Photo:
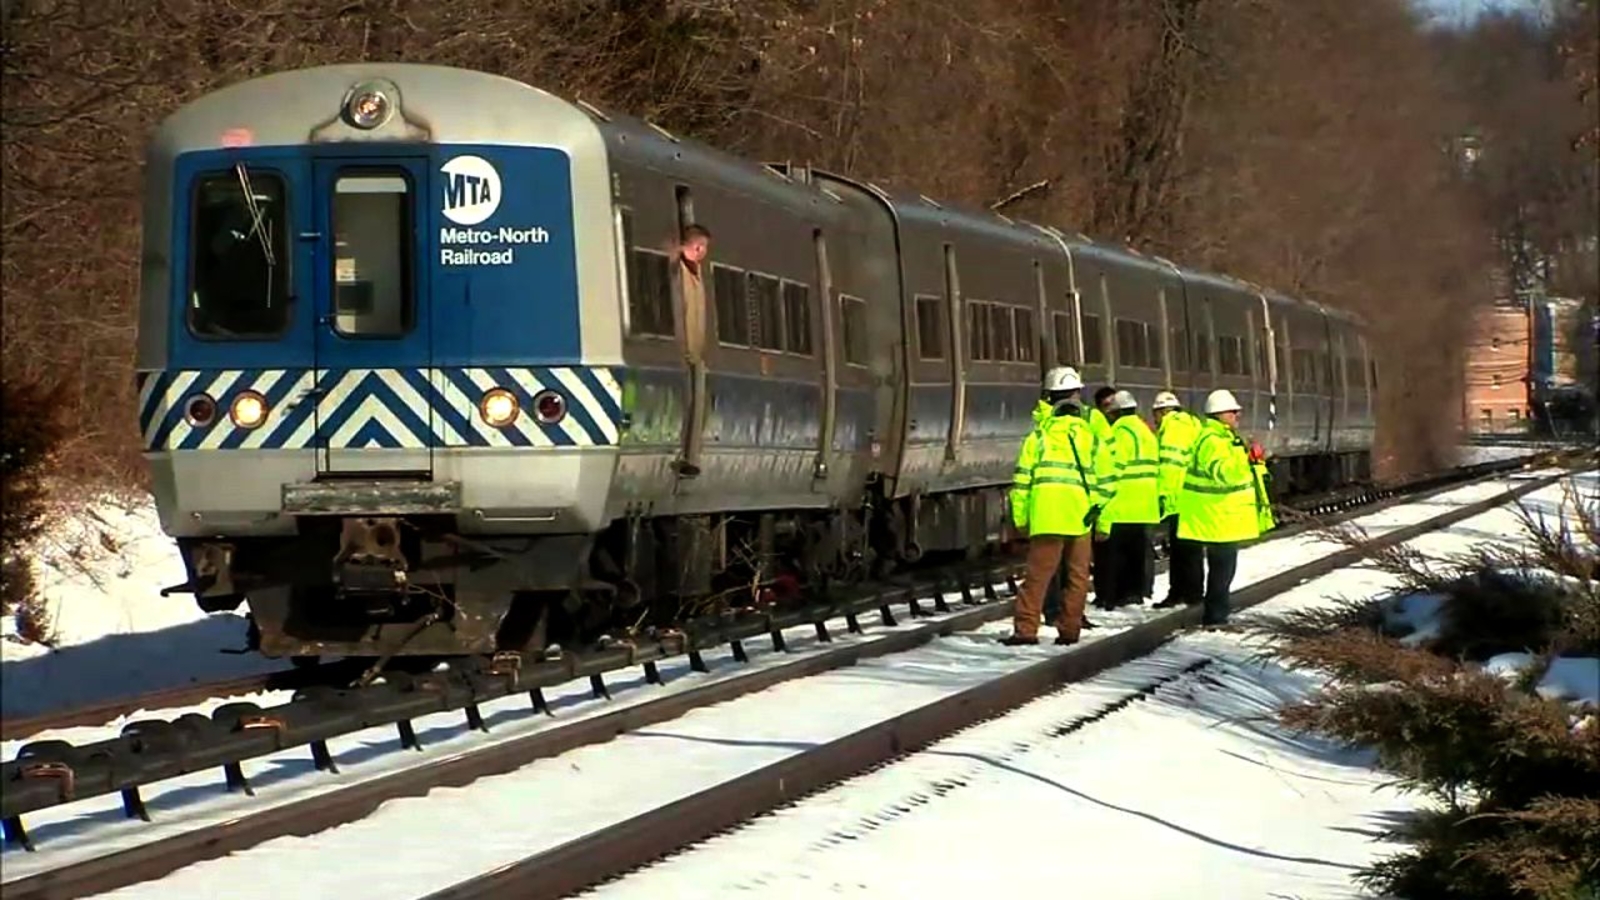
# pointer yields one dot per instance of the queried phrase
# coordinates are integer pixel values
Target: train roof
(273, 109)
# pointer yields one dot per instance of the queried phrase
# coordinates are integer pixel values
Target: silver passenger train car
(414, 379)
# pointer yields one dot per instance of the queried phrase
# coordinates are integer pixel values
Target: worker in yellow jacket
(1135, 509)
(1221, 506)
(1098, 416)
(1056, 498)
(1176, 430)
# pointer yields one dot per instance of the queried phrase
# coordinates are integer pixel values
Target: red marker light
(238, 137)
(549, 407)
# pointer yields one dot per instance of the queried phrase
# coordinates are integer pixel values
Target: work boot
(1066, 640)
(1170, 603)
(1019, 640)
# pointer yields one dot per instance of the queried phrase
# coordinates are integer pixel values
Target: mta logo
(471, 190)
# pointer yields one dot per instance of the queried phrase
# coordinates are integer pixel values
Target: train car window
(1001, 340)
(731, 291)
(650, 294)
(1230, 355)
(1372, 365)
(1352, 375)
(373, 255)
(1180, 349)
(1061, 324)
(853, 314)
(930, 327)
(977, 331)
(797, 318)
(1202, 353)
(1026, 339)
(1153, 349)
(1130, 343)
(1305, 378)
(766, 296)
(239, 276)
(1093, 351)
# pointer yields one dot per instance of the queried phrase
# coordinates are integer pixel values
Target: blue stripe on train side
(379, 408)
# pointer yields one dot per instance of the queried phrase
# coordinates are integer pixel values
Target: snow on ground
(1145, 803)
(101, 574)
(555, 800)
(1475, 454)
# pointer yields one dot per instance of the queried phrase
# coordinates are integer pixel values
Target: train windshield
(239, 273)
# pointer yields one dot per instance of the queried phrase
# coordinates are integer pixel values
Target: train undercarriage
(407, 588)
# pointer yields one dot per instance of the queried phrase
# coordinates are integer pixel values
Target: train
(415, 376)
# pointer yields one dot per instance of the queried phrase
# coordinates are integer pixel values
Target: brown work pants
(1045, 553)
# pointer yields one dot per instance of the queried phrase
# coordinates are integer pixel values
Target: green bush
(1514, 778)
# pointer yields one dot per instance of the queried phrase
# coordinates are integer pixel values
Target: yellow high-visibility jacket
(1223, 493)
(1135, 456)
(1057, 481)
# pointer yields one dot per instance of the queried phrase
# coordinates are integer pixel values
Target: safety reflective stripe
(1202, 482)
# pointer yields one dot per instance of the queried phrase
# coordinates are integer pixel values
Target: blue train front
(379, 354)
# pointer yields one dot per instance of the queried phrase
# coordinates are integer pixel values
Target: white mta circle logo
(471, 190)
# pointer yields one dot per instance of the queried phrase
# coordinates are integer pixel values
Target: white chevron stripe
(591, 404)
(373, 409)
(301, 438)
(339, 392)
(173, 399)
(417, 403)
(444, 433)
(146, 390)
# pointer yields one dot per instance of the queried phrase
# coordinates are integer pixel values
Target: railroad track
(307, 816)
(345, 671)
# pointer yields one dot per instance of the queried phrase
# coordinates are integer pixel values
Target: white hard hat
(1166, 400)
(1123, 400)
(1062, 378)
(1220, 402)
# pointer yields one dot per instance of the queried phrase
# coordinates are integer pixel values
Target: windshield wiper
(258, 226)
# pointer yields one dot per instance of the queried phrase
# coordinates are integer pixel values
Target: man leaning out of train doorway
(1055, 499)
(694, 246)
(1224, 500)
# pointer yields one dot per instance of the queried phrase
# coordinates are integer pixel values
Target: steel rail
(104, 711)
(313, 814)
(611, 853)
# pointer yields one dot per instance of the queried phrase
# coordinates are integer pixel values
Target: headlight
(498, 407)
(368, 107)
(249, 409)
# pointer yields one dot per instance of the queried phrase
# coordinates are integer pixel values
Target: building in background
(1498, 357)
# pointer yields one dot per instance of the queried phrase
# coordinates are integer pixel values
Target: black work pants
(1103, 574)
(1185, 566)
(1129, 544)
(1222, 563)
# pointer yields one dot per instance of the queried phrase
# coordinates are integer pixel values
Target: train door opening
(373, 365)
(689, 277)
(958, 380)
(830, 363)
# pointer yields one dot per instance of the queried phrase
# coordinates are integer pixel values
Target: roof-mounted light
(368, 106)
